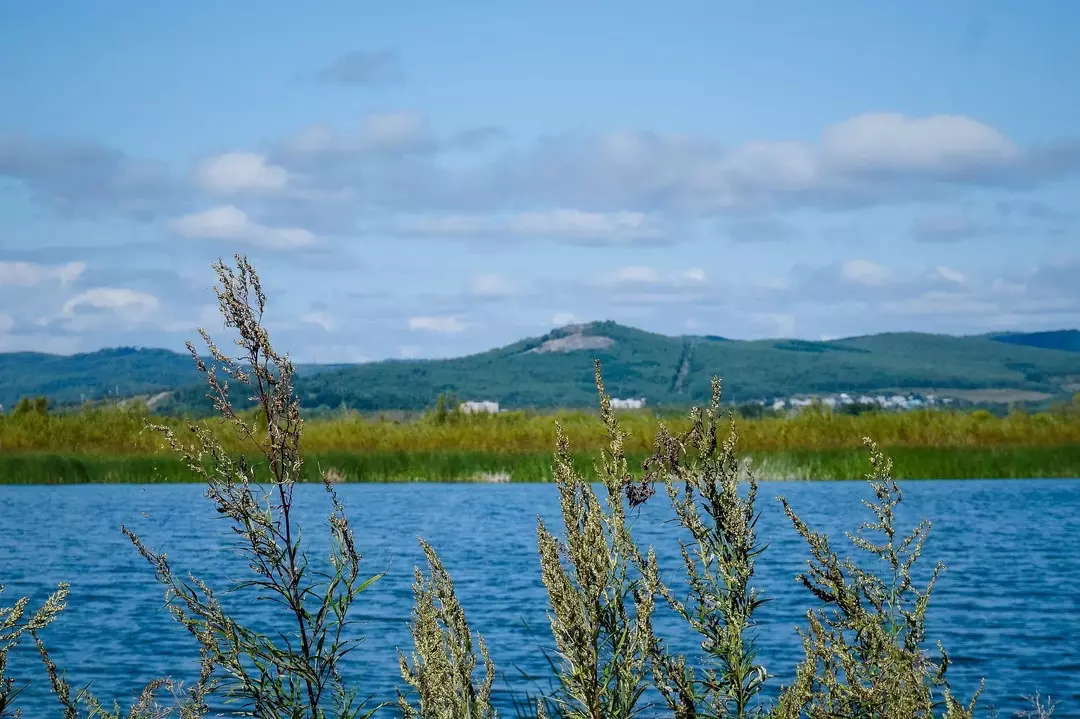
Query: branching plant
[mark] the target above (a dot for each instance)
(298, 673)
(15, 625)
(443, 660)
(599, 613)
(865, 654)
(703, 476)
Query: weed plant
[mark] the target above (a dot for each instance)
(865, 645)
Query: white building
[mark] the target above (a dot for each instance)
(479, 407)
(627, 403)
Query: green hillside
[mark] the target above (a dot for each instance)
(556, 370)
(1065, 340)
(115, 372)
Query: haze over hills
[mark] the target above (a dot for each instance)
(556, 370)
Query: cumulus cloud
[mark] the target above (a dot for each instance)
(319, 318)
(939, 146)
(561, 319)
(619, 186)
(362, 68)
(230, 223)
(444, 325)
(866, 160)
(236, 172)
(29, 274)
(119, 302)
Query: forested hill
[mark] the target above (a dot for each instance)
(556, 370)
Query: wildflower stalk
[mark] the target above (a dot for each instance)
(298, 674)
(702, 476)
(443, 660)
(599, 614)
(864, 653)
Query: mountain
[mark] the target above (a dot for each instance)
(1064, 340)
(116, 372)
(556, 370)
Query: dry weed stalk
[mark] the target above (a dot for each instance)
(864, 645)
(297, 675)
(702, 476)
(443, 660)
(599, 614)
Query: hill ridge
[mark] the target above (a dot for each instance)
(555, 369)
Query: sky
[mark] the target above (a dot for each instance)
(428, 179)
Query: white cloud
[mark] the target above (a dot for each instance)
(949, 274)
(488, 285)
(28, 274)
(561, 319)
(236, 172)
(320, 318)
(408, 351)
(864, 272)
(891, 142)
(120, 302)
(560, 224)
(444, 325)
(230, 223)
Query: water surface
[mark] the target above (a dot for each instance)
(1007, 609)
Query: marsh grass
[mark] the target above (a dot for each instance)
(865, 645)
(122, 432)
(465, 465)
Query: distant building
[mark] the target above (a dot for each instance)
(627, 403)
(483, 406)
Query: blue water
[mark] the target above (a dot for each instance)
(1007, 609)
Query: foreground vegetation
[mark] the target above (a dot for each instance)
(865, 644)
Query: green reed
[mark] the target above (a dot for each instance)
(472, 466)
(122, 431)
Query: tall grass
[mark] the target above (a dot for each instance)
(466, 466)
(121, 431)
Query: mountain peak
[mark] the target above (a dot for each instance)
(572, 338)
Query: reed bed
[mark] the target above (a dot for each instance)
(121, 432)
(475, 466)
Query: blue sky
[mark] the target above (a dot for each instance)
(421, 179)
